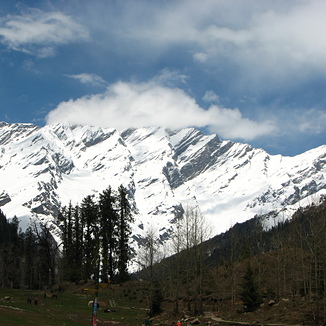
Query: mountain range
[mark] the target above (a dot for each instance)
(164, 171)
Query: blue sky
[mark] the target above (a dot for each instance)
(251, 71)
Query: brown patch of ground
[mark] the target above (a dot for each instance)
(283, 312)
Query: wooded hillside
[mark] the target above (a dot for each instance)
(239, 271)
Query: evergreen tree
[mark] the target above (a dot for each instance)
(66, 217)
(250, 295)
(47, 252)
(3, 228)
(9, 252)
(108, 233)
(29, 266)
(97, 231)
(124, 231)
(89, 218)
(78, 244)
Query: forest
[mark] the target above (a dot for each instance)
(239, 270)
(244, 268)
(91, 232)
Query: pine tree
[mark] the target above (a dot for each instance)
(250, 295)
(89, 217)
(78, 244)
(29, 267)
(66, 217)
(47, 252)
(108, 233)
(125, 218)
(9, 251)
(97, 231)
(3, 228)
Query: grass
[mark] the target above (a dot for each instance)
(128, 305)
(69, 309)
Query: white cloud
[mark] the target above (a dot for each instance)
(170, 78)
(230, 124)
(201, 57)
(211, 97)
(38, 33)
(127, 105)
(269, 40)
(91, 79)
(312, 121)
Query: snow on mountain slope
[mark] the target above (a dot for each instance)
(43, 169)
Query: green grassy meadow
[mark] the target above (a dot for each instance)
(70, 309)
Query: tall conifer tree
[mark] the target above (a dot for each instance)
(108, 233)
(124, 229)
(89, 215)
(250, 294)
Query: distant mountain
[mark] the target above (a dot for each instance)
(43, 169)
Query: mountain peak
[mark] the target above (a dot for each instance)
(43, 169)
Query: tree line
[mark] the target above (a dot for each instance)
(289, 258)
(247, 264)
(94, 244)
(95, 238)
(27, 259)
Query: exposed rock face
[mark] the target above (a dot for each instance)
(4, 198)
(43, 169)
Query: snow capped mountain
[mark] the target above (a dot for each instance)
(43, 169)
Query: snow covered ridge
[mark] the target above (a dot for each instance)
(43, 169)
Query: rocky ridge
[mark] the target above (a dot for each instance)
(44, 168)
